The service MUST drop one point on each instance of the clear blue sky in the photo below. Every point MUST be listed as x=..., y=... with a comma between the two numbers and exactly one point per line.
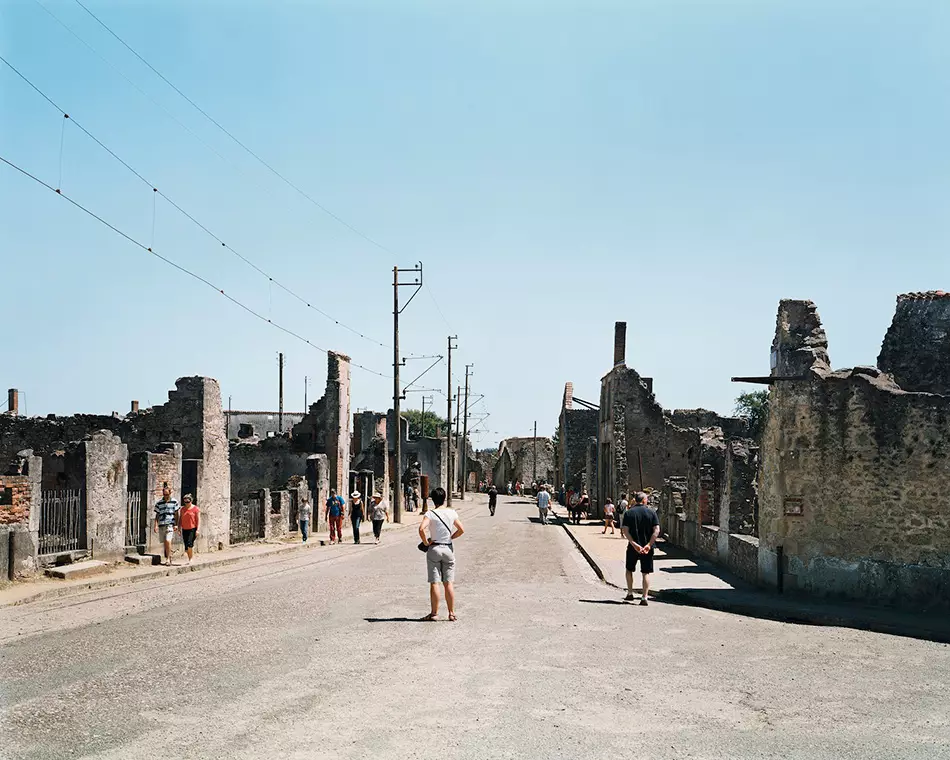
x=557, y=166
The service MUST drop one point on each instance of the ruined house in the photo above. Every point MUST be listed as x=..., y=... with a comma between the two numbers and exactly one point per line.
x=576, y=454
x=856, y=462
x=263, y=424
x=699, y=464
x=273, y=474
x=98, y=474
x=524, y=460
x=326, y=427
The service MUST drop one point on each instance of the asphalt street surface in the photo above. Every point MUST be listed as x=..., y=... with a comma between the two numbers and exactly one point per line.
x=321, y=655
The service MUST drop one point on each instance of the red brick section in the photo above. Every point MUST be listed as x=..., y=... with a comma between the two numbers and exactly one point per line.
x=15, y=497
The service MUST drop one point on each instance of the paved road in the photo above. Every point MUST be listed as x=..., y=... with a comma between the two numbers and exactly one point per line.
x=317, y=656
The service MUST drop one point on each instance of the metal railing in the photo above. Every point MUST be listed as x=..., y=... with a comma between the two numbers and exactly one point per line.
x=247, y=519
x=62, y=521
x=136, y=518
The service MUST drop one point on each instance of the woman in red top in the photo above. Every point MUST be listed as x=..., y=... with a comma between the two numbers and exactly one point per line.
x=188, y=520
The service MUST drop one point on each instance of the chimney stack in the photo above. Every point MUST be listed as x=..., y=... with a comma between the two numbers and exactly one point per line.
x=620, y=343
x=135, y=407
x=13, y=402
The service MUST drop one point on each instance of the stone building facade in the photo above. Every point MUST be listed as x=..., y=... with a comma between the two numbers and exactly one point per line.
x=856, y=463
x=516, y=461
x=577, y=427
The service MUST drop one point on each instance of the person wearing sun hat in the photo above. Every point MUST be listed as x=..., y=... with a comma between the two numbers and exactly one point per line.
x=356, y=514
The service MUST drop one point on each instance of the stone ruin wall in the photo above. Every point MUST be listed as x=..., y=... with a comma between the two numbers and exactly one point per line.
x=326, y=427
x=855, y=469
x=192, y=416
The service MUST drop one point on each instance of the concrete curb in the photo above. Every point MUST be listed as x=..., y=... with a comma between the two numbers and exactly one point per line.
x=162, y=571
x=584, y=553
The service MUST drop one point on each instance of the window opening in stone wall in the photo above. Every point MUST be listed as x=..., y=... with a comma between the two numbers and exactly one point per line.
x=6, y=496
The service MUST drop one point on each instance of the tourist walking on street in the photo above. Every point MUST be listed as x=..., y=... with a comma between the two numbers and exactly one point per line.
x=583, y=506
x=544, y=502
x=166, y=521
x=379, y=512
x=492, y=499
x=188, y=519
x=335, y=505
x=608, y=516
x=641, y=528
x=356, y=514
x=439, y=528
x=621, y=508
x=304, y=513
x=573, y=509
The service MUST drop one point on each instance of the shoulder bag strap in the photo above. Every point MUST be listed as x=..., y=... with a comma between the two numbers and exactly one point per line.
x=436, y=513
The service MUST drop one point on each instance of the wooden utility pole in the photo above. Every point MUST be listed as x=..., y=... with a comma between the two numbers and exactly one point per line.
x=458, y=424
x=280, y=391
x=465, y=435
x=397, y=390
x=422, y=433
x=449, y=449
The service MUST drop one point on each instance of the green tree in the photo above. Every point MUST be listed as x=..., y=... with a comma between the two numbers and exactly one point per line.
x=419, y=426
x=755, y=407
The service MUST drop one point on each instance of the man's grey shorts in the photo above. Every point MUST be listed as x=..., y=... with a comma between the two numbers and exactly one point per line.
x=440, y=562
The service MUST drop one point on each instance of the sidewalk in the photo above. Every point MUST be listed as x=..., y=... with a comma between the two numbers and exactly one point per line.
x=680, y=578
x=42, y=588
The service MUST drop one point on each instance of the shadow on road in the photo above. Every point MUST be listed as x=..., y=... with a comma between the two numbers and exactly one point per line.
x=690, y=569
x=602, y=601
x=398, y=620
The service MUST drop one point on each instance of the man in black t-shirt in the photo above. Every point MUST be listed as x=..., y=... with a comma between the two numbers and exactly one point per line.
x=641, y=528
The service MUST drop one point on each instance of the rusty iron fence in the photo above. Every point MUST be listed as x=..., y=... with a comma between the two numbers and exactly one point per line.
x=62, y=521
x=247, y=519
x=136, y=518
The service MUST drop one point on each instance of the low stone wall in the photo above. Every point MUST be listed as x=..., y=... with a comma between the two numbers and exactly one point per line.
x=707, y=547
x=744, y=557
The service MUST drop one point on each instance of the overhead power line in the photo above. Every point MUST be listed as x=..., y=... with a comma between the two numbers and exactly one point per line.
x=237, y=141
x=174, y=264
x=256, y=156
x=185, y=213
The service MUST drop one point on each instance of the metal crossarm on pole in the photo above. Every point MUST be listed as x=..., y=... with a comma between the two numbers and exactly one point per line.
x=416, y=274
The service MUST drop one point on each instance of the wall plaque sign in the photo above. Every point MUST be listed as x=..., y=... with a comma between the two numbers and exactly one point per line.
x=794, y=505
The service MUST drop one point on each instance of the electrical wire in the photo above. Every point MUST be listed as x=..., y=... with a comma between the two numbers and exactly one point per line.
x=186, y=214
x=177, y=266
x=257, y=157
x=238, y=142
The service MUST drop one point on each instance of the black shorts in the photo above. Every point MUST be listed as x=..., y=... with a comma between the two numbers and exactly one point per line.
x=645, y=560
x=188, y=537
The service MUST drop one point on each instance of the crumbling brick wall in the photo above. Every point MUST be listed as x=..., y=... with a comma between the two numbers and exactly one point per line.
x=854, y=479
x=16, y=497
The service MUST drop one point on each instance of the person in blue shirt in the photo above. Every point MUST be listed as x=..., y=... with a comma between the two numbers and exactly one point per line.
x=335, y=505
x=166, y=521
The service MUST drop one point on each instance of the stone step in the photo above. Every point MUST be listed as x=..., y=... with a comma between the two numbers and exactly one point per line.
x=144, y=559
x=77, y=570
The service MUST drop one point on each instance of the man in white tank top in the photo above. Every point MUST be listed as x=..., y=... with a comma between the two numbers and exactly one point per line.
x=438, y=529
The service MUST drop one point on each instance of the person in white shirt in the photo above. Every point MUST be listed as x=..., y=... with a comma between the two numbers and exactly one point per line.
x=544, y=501
x=439, y=528
x=609, y=510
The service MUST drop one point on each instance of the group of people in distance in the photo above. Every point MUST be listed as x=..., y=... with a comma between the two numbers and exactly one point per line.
x=170, y=518
x=337, y=509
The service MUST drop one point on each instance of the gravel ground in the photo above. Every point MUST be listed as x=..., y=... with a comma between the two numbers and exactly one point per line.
x=319, y=655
